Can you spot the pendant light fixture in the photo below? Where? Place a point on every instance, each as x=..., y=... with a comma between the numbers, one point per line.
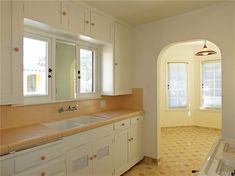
x=205, y=51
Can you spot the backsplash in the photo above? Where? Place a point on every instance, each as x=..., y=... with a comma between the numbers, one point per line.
x=15, y=116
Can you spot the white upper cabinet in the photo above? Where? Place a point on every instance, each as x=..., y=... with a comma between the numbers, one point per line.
x=52, y=13
x=79, y=18
x=72, y=16
x=101, y=27
x=11, y=52
x=116, y=63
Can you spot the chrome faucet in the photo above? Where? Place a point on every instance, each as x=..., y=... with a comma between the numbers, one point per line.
x=70, y=108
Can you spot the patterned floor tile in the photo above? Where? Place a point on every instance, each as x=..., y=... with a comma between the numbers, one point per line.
x=183, y=150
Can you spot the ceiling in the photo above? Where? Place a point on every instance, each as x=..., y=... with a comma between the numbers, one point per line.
x=137, y=12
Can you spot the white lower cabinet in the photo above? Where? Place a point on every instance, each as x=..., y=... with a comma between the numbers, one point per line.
x=103, y=158
x=52, y=168
x=94, y=158
x=121, y=151
x=6, y=165
x=128, y=144
x=78, y=161
x=105, y=151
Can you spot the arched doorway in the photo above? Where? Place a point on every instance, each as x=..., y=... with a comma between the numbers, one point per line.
x=199, y=106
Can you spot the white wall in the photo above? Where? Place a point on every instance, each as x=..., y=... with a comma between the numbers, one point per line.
x=193, y=114
x=215, y=23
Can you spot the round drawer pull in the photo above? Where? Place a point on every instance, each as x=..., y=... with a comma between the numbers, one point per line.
x=87, y=22
x=64, y=13
x=43, y=174
x=95, y=156
x=123, y=124
x=93, y=24
x=16, y=49
x=91, y=158
x=43, y=158
x=138, y=119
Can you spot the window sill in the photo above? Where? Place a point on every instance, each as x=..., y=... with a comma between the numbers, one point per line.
x=178, y=109
x=29, y=103
x=210, y=109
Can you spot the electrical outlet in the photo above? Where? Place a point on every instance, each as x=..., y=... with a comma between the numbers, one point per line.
x=103, y=104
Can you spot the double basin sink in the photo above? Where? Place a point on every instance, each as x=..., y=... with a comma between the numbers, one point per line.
x=74, y=122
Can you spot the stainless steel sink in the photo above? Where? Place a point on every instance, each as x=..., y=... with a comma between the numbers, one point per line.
x=73, y=122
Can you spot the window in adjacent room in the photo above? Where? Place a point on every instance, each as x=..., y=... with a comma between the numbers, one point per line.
x=211, y=84
x=177, y=85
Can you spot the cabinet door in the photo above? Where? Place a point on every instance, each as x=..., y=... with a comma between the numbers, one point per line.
x=103, y=163
x=79, y=161
x=51, y=13
x=79, y=18
x=121, y=152
x=6, y=167
x=101, y=27
x=136, y=149
x=122, y=63
x=51, y=168
x=11, y=61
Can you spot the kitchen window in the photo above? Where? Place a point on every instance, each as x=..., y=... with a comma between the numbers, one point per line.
x=36, y=62
x=177, y=85
x=59, y=69
x=87, y=57
x=211, y=85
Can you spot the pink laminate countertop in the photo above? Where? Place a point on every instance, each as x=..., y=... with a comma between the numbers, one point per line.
x=15, y=139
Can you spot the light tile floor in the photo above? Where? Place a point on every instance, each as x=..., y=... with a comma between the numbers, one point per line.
x=183, y=150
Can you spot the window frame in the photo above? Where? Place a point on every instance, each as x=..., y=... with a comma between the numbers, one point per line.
x=185, y=108
x=32, y=99
x=96, y=71
x=217, y=60
x=79, y=43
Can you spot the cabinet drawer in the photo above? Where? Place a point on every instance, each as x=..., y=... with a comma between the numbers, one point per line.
x=53, y=168
x=87, y=136
x=38, y=155
x=136, y=120
x=122, y=124
x=6, y=165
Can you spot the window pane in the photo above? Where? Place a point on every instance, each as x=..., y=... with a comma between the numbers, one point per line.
x=35, y=67
x=65, y=72
x=211, y=85
x=177, y=85
x=86, y=70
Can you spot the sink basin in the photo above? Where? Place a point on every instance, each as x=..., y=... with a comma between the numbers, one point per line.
x=73, y=123
x=62, y=125
x=86, y=119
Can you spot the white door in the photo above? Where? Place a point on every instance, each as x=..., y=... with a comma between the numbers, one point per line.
x=101, y=27
x=103, y=152
x=51, y=13
x=136, y=149
x=121, y=152
x=11, y=59
x=122, y=63
x=79, y=18
x=79, y=161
